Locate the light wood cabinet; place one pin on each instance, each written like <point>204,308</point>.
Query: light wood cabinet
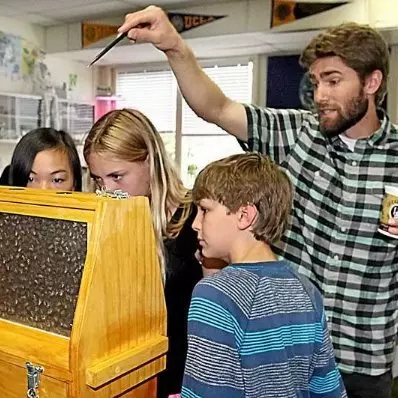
<point>81,295</point>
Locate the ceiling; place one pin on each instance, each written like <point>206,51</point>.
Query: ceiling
<point>55,12</point>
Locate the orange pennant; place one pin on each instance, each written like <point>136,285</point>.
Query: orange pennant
<point>285,11</point>
<point>92,32</point>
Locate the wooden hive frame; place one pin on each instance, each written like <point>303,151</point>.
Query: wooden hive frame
<point>118,338</point>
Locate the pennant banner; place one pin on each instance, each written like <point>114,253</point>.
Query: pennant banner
<point>183,22</point>
<point>284,11</point>
<point>92,32</point>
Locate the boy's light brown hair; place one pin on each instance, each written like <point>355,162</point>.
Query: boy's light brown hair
<point>249,178</point>
<point>359,46</point>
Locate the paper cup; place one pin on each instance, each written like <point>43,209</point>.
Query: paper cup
<point>389,209</point>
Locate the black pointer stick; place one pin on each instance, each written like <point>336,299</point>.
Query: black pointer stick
<point>108,47</point>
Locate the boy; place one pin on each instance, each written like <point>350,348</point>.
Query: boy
<point>256,328</point>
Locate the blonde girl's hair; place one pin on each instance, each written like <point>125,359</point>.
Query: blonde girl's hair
<point>128,135</point>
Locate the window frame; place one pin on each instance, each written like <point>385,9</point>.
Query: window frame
<point>208,63</point>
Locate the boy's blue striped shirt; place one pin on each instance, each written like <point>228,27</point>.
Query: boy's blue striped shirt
<point>259,330</point>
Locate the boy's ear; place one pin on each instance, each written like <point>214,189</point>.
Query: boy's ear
<point>246,216</point>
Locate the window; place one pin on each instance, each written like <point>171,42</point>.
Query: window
<point>204,142</point>
<point>154,92</point>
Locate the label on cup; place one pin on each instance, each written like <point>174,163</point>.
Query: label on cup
<point>389,210</point>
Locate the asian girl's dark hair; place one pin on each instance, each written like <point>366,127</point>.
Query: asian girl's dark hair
<point>39,140</point>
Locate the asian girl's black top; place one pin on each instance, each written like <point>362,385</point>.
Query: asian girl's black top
<point>183,271</point>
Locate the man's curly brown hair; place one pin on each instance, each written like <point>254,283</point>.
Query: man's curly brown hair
<point>359,46</point>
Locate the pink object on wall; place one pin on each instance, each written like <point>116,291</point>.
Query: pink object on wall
<point>105,104</point>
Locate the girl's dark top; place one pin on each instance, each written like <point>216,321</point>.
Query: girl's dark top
<point>183,271</point>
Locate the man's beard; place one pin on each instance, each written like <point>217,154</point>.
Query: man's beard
<point>355,111</point>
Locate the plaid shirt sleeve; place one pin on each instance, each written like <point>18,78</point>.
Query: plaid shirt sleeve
<point>273,132</point>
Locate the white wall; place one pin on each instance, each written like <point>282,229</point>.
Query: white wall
<point>59,69</point>
<point>34,34</point>
<point>31,32</point>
